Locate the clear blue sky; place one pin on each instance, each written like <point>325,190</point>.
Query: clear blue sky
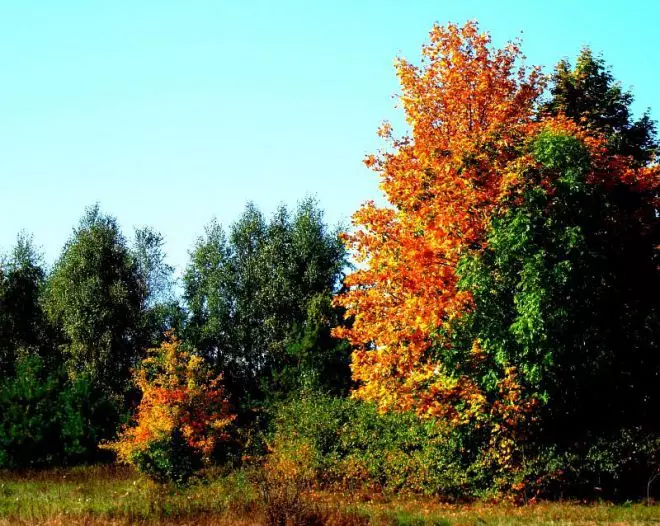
<point>172,112</point>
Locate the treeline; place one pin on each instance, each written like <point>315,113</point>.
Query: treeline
<point>498,336</point>
<point>256,305</point>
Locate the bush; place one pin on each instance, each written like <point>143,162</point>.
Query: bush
<point>182,418</point>
<point>288,473</point>
<point>347,443</point>
<point>169,459</point>
<point>48,419</point>
<point>351,445</point>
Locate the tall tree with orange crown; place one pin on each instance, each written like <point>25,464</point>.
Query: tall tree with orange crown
<point>469,108</point>
<point>488,293</point>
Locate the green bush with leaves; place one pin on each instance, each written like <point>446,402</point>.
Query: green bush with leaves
<point>170,459</point>
<point>49,420</point>
<point>354,446</point>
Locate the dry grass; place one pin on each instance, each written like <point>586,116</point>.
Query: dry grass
<point>107,495</point>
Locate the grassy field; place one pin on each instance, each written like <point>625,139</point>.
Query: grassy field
<point>112,495</point>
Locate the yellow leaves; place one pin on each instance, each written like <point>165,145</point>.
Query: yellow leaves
<point>178,392</point>
<point>470,108</point>
<point>385,130</point>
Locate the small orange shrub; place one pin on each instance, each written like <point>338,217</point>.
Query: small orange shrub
<point>183,415</point>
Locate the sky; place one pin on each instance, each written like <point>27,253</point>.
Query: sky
<point>171,113</point>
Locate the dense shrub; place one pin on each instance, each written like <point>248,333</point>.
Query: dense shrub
<point>170,459</point>
<point>350,444</point>
<point>347,443</point>
<point>48,419</point>
<point>182,418</point>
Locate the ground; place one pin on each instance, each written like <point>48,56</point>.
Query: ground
<point>110,495</point>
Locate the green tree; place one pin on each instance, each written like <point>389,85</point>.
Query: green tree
<point>207,294</point>
<point>589,94</point>
<point>162,311</point>
<point>96,294</point>
<point>259,299</point>
<point>566,291</point>
<point>49,419</point>
<point>564,295</point>
<point>23,325</point>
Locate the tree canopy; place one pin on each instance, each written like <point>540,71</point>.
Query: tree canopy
<point>259,295</point>
<point>509,288</point>
<point>96,295</point>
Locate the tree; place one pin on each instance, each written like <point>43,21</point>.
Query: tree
<point>181,419</point>
<point>491,290</point>
<point>469,108</point>
<point>207,294</point>
<point>571,271</point>
<point>256,297</point>
<point>155,273</point>
<point>49,419</point>
<point>565,291</point>
<point>23,325</point>
<point>162,311</point>
<point>95,293</point>
<point>589,95</point>
<point>567,285</point>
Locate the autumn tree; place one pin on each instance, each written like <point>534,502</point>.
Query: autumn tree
<point>469,109</point>
<point>487,292</point>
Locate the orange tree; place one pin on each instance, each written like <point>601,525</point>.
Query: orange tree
<point>470,282</point>
<point>182,418</point>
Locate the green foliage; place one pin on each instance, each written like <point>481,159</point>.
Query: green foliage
<point>161,309</point>
<point>347,444</point>
<point>259,302</point>
<point>616,466</point>
<point>315,360</point>
<point>354,446</point>
<point>169,460</point>
<point>49,420</point>
<point>95,293</point>
<point>566,291</point>
<point>23,325</point>
<point>567,287</point>
<point>589,94</point>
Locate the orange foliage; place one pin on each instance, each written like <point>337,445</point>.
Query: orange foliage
<point>468,107</point>
<point>178,392</point>
<point>472,113</point>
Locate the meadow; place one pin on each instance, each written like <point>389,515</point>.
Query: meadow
<point>112,495</point>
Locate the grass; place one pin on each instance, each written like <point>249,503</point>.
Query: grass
<point>565,513</point>
<point>111,495</point>
<point>104,495</point>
